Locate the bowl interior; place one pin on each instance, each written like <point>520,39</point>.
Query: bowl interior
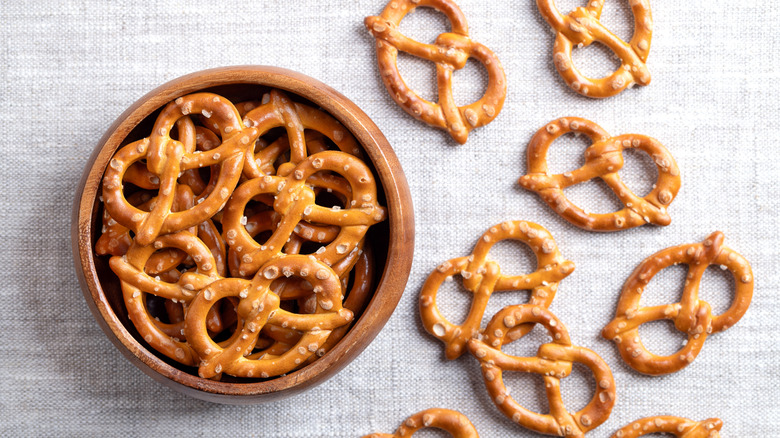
<point>383,239</point>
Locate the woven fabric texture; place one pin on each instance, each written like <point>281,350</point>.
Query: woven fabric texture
<point>69,68</point>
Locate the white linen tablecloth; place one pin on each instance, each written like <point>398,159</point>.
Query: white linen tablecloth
<point>69,68</point>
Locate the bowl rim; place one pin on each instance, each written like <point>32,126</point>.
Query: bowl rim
<point>392,281</point>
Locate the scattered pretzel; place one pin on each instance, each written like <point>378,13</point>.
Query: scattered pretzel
<point>543,283</point>
<point>453,422</point>
<point>603,159</point>
<point>582,28</point>
<point>450,52</point>
<point>174,243</point>
<point>553,361</point>
<point>691,315</point>
<point>677,426</point>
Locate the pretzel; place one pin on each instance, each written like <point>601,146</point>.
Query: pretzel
<point>259,306</point>
<point>543,283</point>
<point>278,110</point>
<point>453,422</point>
<point>553,361</point>
<point>136,283</point>
<point>691,315</point>
<point>450,52</point>
<point>677,426</point>
<point>295,201</point>
<point>167,157</point>
<point>582,28</point>
<point>603,159</point>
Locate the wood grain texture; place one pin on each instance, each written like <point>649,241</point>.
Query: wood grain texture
<point>393,240</point>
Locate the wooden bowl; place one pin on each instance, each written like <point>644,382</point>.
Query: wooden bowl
<point>392,240</point>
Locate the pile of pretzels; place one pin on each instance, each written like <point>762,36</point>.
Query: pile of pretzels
<point>237,232</point>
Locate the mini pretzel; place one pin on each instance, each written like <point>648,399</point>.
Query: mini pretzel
<point>295,201</point>
<point>277,110</point>
<point>259,306</point>
<point>553,361</point>
<point>136,283</point>
<point>581,28</point>
<point>603,159</point>
<point>453,422</point>
<point>677,426</point>
<point>543,283</point>
<point>167,157</point>
<point>450,52</point>
<point>691,315</point>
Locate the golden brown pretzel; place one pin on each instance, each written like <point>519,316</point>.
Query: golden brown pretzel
<point>277,110</point>
<point>691,315</point>
<point>453,422</point>
<point>167,158</point>
<point>677,426</point>
<point>543,283</point>
<point>450,53</point>
<point>582,28</point>
<point>136,283</point>
<point>258,306</point>
<point>553,361</point>
<point>603,159</point>
<point>295,201</point>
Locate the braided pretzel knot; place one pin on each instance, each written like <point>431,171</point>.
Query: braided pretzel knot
<point>677,426</point>
<point>582,27</point>
<point>553,361</point>
<point>603,159</point>
<point>450,52</point>
<point>482,278</point>
<point>259,306</point>
<point>691,315</point>
<point>167,157</point>
<point>453,422</point>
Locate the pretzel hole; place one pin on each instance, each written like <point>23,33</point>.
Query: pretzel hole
<point>514,257</point>
<point>594,196</point>
<point>666,287</point>
<point>453,300</point>
<point>578,387</point>
<point>156,308</point>
<point>222,321</point>
<point>528,345</point>
<point>424,24</point>
<point>595,60</point>
<point>470,83</point>
<point>661,337</point>
<point>639,172</point>
<point>528,390</point>
<point>717,288</point>
<point>419,75</point>
<point>618,18</point>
